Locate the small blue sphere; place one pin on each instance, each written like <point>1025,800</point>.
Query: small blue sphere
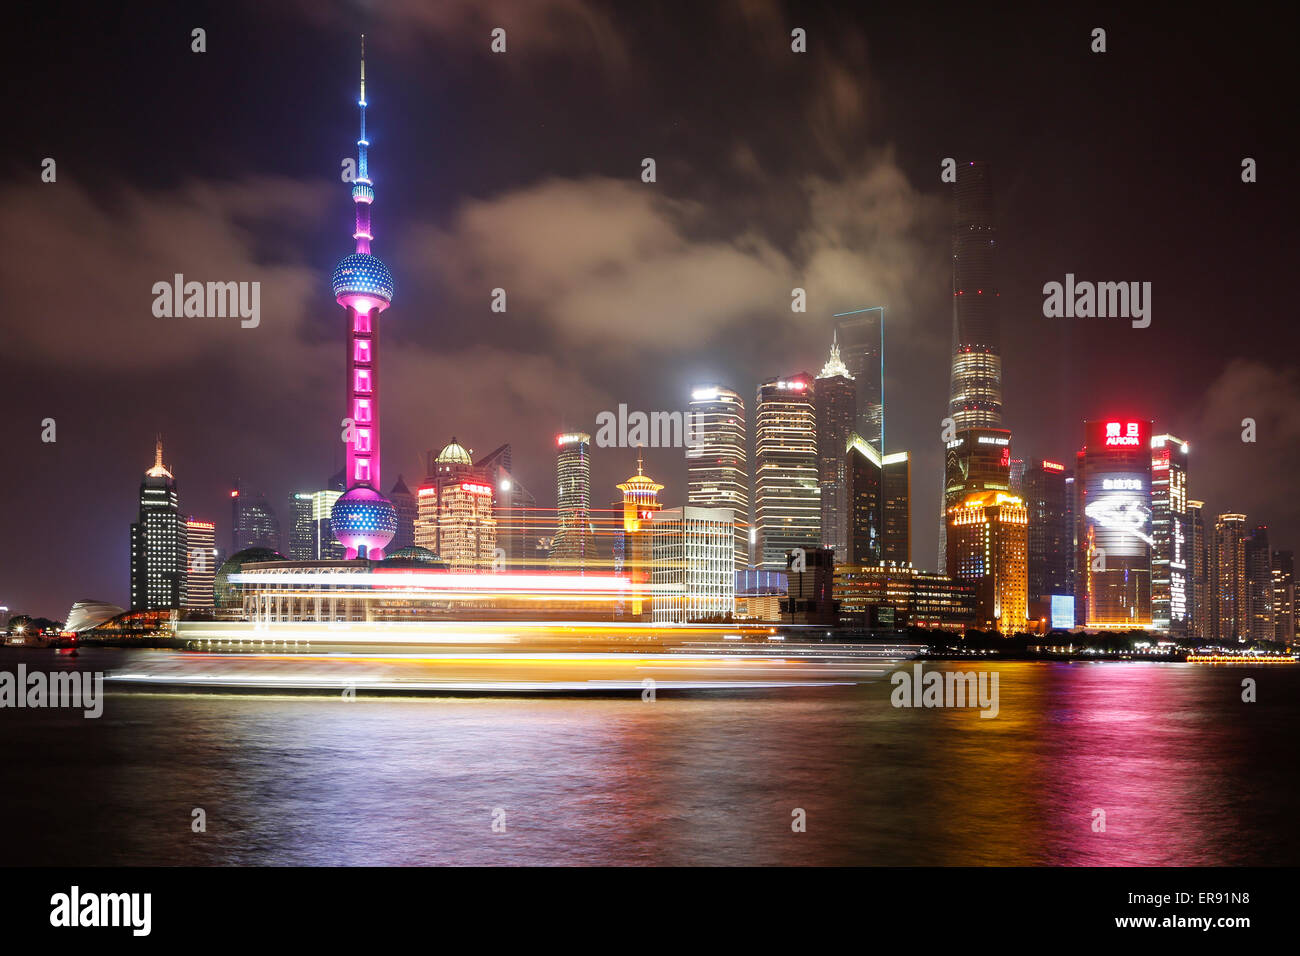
<point>362,275</point>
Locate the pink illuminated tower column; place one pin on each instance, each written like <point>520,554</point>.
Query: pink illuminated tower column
<point>363,520</point>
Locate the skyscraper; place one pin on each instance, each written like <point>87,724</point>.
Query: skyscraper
<point>1284,597</point>
<point>573,548</point>
<point>1200,572</point>
<point>1231,625</point>
<point>861,337</point>
<point>1260,621</point>
<point>515,508</point>
<point>640,502</point>
<point>201,549</point>
<point>1171,534</point>
<point>302,529</point>
<point>692,566</point>
<point>1050,540</point>
<point>363,520</point>
<point>835,399</point>
<point>987,546</point>
<point>787,494</point>
<point>878,505</point>
<point>252,520</point>
<point>455,516</point>
<point>159,549</point>
<point>975,393</point>
<point>716,471</point>
<point>407,511</point>
<point>324,547</point>
<point>1113,524</point>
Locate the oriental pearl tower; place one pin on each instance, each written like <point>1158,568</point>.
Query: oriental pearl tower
<point>363,520</point>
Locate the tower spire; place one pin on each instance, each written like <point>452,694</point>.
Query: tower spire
<point>363,193</point>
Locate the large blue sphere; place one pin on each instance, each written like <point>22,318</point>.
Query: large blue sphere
<point>362,274</point>
<point>363,517</point>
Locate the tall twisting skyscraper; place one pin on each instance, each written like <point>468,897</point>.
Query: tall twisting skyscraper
<point>975,394</point>
<point>363,520</point>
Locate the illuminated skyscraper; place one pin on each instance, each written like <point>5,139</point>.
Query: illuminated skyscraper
<point>1283,573</point>
<point>407,511</point>
<point>1113,522</point>
<point>201,548</point>
<point>1171,536</point>
<point>455,515</point>
<point>159,549</point>
<point>253,523</point>
<point>1260,621</point>
<point>573,548</point>
<point>640,502</point>
<point>363,520</point>
<point>835,398</point>
<point>324,547</point>
<point>302,528</point>
<point>787,493</point>
<point>878,513</point>
<point>861,338</point>
<point>976,459</point>
<point>976,394</point>
<point>1231,624</point>
<point>1200,571</point>
<point>1050,538</point>
<point>987,538</point>
<point>692,566</point>
<point>716,471</point>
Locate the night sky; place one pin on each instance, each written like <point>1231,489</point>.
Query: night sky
<point>522,170</point>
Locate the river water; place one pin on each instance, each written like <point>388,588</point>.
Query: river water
<point>1187,774</point>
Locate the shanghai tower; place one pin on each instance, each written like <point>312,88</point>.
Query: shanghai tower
<point>975,398</point>
<point>363,520</point>
<point>977,449</point>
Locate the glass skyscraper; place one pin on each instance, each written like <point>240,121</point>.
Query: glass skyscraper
<point>716,459</point>
<point>787,491</point>
<point>159,542</point>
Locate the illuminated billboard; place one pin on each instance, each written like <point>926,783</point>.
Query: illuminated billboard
<point>1116,529</point>
<point>1062,612</point>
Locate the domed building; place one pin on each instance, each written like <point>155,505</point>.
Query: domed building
<point>414,557</point>
<point>227,595</point>
<point>457,515</point>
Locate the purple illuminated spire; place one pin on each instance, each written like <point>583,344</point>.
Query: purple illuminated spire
<point>363,520</point>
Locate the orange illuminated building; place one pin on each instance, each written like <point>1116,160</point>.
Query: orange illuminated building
<point>987,545</point>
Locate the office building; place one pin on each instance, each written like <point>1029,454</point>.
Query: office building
<point>201,548</point>
<point>692,572</point>
<point>1200,572</point>
<point>252,520</point>
<point>573,548</point>
<point>1231,622</point>
<point>1284,597</point>
<point>159,542</point>
<point>1049,537</point>
<point>899,596</point>
<point>1113,524</point>
<point>861,338</point>
<point>716,469</point>
<point>987,543</point>
<point>302,529</point>
<point>408,510</point>
<point>1259,585</point>
<point>1171,537</point>
<point>787,492</point>
<point>835,398</point>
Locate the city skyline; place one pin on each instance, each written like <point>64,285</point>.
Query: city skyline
<point>290,452</point>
